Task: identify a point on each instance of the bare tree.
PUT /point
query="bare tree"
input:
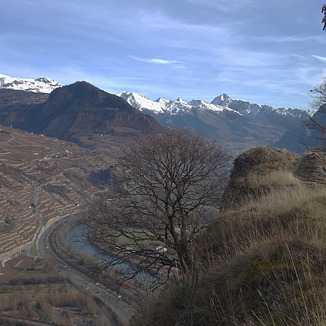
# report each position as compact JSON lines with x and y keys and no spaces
{"x":169,"y":183}
{"x":316,"y":122}
{"x":318,"y":95}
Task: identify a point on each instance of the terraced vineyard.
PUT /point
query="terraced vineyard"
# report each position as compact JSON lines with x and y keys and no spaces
{"x":42,"y":179}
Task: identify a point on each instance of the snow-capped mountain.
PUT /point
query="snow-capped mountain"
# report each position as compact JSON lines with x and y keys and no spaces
{"x":164,"y":106}
{"x":219,"y":104}
{"x":249,"y":108}
{"x":39,"y":85}
{"x":235,"y":123}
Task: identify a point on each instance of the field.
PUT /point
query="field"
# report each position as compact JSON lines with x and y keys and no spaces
{"x":36,"y":293}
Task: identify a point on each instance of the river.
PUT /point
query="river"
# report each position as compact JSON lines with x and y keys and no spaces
{"x":77,"y":236}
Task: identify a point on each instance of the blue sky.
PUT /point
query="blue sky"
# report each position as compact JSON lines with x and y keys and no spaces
{"x":264,"y":51}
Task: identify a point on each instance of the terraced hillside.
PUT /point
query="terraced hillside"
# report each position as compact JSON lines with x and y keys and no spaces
{"x":41,"y":180}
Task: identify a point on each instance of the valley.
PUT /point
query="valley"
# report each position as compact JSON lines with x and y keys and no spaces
{"x":42,"y":179}
{"x":59,"y":152}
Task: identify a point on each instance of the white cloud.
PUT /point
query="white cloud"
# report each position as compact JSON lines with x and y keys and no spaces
{"x":323,"y":59}
{"x":291,"y":39}
{"x":157,"y":61}
{"x":162,"y":22}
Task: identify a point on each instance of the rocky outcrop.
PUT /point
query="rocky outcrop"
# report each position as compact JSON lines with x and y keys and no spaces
{"x":251,"y":167}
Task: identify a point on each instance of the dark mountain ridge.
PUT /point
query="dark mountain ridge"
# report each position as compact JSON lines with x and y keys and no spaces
{"x":73,"y":111}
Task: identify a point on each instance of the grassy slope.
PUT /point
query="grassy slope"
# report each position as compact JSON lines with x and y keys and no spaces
{"x":263,"y":260}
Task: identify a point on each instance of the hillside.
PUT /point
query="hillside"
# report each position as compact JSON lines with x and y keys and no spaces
{"x":262,"y":261}
{"x":79,"y":112}
{"x":43,"y":179}
{"x":12,"y":98}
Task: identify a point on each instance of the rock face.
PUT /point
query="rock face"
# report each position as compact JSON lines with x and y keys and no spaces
{"x":312,"y":168}
{"x":76,"y":110}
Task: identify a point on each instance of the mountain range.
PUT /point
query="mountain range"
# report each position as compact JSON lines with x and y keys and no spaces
{"x":80,"y":108}
{"x":235,"y":124}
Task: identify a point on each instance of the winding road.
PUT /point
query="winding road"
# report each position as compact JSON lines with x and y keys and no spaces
{"x":121,"y":312}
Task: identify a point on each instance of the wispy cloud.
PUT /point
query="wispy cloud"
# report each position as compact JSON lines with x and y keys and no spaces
{"x":323,"y":59}
{"x":177,"y":48}
{"x":157,"y":61}
{"x":221,"y":5}
{"x":160,"y":21}
{"x":291,"y":38}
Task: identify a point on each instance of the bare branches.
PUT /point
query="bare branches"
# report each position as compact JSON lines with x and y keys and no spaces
{"x":168,"y":184}
{"x":318,"y":95}
{"x":316,"y":123}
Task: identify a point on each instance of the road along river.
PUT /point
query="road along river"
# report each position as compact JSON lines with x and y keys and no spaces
{"x":78,"y":237}
{"x":47,"y":245}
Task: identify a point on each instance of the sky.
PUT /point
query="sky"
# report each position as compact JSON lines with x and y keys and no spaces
{"x":269,"y":52}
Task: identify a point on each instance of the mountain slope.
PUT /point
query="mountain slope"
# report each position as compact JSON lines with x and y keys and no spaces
{"x":236,"y":124}
{"x":73,"y":111}
{"x":12,"y":98}
{"x":39,"y":85}
{"x":78,"y":110}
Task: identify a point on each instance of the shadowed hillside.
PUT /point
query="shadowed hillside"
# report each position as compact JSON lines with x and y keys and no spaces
{"x":79,"y":112}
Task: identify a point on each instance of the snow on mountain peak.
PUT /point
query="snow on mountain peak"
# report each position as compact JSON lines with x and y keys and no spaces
{"x":164,"y":106}
{"x":223,"y":100}
{"x":141,"y":102}
{"x":222,"y":103}
{"x":39,"y":85}
{"x":207,"y":106}
{"x":162,"y":100}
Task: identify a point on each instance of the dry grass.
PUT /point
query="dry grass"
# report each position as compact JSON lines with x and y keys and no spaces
{"x":264,"y":262}
{"x":48,"y":297}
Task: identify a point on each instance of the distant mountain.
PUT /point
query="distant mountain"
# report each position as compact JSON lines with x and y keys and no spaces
{"x":39,"y":85}
{"x":236,"y":124}
{"x":304,"y":138}
{"x":75,"y":112}
{"x":77,"y":109}
{"x":281,"y":116}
